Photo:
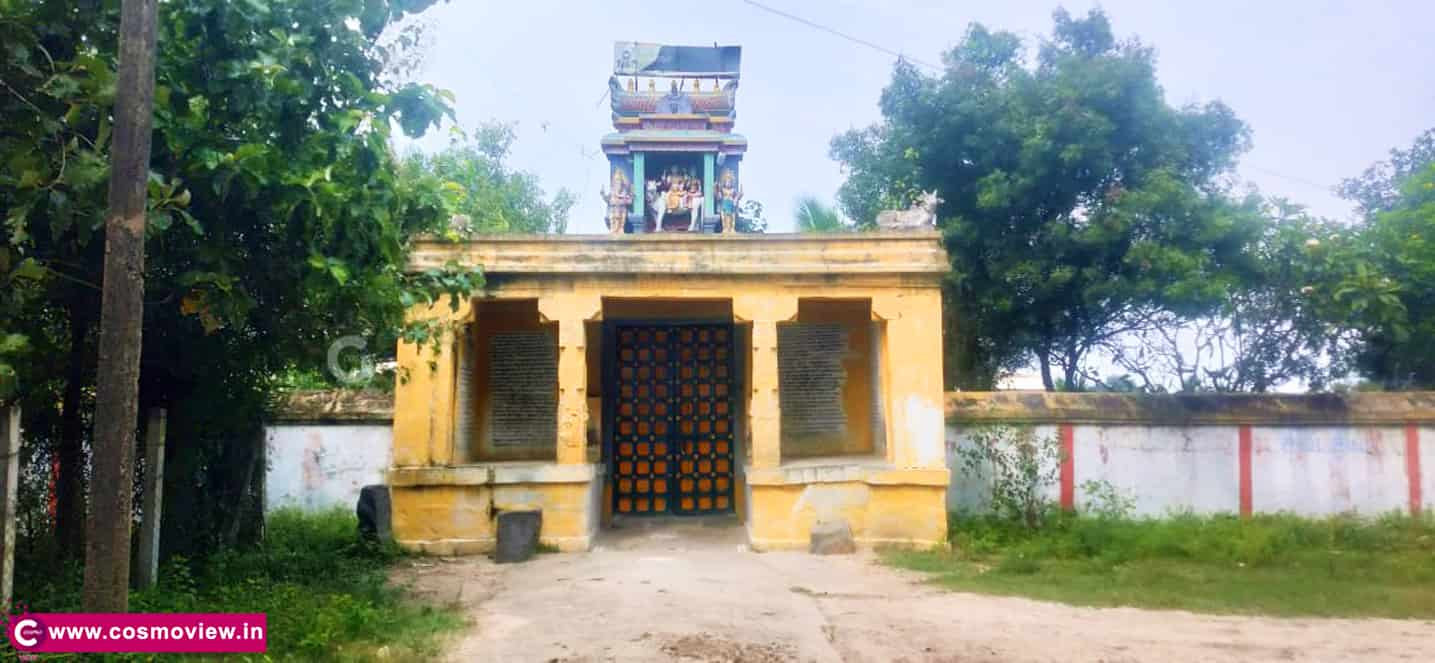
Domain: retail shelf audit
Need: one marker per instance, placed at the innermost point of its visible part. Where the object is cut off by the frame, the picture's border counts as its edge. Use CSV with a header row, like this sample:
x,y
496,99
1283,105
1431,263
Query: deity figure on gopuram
x,y
728,195
619,200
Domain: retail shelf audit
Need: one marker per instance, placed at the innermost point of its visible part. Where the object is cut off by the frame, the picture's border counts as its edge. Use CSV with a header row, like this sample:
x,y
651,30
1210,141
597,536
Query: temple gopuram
x,y
676,366
674,159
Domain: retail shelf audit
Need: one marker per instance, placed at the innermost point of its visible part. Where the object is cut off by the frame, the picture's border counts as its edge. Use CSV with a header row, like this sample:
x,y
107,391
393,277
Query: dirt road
x,y
690,591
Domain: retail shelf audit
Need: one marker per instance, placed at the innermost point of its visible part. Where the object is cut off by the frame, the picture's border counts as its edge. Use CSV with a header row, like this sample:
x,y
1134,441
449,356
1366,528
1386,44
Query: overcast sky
x,y
1327,87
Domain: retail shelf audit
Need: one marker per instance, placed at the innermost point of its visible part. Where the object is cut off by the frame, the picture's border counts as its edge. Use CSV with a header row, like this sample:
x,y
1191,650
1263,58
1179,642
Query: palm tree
x,y
815,217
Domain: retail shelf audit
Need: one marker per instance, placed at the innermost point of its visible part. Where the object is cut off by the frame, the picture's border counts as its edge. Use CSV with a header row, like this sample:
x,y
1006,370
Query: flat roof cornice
x,y
913,252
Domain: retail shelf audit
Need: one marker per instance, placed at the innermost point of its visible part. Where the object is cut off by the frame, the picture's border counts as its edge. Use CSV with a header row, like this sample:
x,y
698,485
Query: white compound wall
x,y
1372,464
317,467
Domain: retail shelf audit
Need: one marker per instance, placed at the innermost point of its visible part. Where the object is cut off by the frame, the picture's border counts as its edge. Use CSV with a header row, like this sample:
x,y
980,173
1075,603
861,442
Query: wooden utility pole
x,y
107,551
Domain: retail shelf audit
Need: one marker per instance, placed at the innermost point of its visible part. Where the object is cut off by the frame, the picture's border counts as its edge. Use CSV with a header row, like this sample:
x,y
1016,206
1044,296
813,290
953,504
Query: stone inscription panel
x,y
523,388
811,378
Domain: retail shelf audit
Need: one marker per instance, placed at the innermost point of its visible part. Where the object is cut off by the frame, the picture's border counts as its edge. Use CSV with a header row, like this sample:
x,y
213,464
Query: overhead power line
x,y
838,33
1300,180
898,54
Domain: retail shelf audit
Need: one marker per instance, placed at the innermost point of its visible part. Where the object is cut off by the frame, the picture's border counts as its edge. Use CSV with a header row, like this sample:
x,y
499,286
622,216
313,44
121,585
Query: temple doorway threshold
x,y
672,533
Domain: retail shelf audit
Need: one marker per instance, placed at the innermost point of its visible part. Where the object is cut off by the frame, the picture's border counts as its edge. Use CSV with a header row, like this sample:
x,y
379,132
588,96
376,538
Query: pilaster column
x,y
570,312
709,193
914,378
640,187
424,402
764,410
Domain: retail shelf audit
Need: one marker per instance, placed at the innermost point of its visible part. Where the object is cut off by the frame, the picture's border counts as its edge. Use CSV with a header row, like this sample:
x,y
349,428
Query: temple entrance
x,y
668,412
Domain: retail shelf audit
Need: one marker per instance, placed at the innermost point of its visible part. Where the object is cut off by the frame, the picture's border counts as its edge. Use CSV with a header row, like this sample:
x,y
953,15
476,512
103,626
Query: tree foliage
x,y
278,221
478,183
1379,278
1380,187
815,216
1270,332
1079,203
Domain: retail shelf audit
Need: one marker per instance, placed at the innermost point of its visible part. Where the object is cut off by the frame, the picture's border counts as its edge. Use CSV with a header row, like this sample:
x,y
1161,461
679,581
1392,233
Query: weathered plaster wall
x,y
1310,455
781,517
1322,470
319,467
324,446
1167,468
452,510
1426,458
971,493
882,505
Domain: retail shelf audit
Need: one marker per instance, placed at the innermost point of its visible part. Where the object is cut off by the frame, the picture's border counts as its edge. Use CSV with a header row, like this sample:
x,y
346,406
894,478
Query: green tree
x,y
1370,283
479,185
1268,332
750,217
1404,239
1078,201
1379,279
814,216
1379,188
277,222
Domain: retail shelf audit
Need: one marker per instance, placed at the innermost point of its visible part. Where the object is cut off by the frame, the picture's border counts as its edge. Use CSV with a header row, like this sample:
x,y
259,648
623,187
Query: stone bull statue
x,y
922,214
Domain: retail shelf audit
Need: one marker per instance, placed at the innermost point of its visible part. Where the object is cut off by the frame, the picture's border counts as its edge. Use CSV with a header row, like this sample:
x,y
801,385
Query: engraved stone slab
x,y
811,378
523,386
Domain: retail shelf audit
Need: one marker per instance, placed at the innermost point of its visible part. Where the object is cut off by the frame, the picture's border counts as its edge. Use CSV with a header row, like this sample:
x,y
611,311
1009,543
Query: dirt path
x,y
690,591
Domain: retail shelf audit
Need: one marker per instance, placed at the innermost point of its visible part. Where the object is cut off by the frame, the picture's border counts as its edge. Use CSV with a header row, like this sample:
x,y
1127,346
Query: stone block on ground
x,y
832,537
517,536
375,513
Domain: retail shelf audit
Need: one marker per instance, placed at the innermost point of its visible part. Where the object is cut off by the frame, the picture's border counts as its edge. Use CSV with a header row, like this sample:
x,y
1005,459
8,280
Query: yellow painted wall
x,y
723,277
443,520
618,308
456,519
782,516
424,392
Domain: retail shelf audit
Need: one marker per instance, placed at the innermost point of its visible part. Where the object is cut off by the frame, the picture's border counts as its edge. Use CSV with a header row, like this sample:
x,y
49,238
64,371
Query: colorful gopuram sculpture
x,y
673,139
619,200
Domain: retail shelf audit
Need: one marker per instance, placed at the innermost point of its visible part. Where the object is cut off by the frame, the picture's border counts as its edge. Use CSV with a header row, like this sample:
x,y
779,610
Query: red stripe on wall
x,y
1412,467
1245,463
1068,469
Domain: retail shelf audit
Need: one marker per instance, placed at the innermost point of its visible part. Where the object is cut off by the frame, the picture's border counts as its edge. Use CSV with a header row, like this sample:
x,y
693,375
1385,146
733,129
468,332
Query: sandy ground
x,y
689,590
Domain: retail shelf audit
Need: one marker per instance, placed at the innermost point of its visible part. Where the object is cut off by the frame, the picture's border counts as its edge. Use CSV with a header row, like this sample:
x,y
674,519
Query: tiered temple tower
x,y
674,159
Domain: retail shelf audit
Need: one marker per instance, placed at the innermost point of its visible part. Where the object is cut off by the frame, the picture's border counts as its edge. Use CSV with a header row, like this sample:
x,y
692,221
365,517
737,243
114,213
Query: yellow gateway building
x,y
678,365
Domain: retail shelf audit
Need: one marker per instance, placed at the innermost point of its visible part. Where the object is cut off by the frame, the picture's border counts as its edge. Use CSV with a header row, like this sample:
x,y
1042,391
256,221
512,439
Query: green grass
x,y
1278,565
325,593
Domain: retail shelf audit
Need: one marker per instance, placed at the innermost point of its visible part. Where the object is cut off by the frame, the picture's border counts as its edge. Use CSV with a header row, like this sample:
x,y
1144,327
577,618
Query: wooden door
x,y
670,418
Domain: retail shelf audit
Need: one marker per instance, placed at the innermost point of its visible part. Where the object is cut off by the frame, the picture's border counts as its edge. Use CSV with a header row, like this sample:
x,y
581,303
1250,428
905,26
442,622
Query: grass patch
x,y
325,592
1280,565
